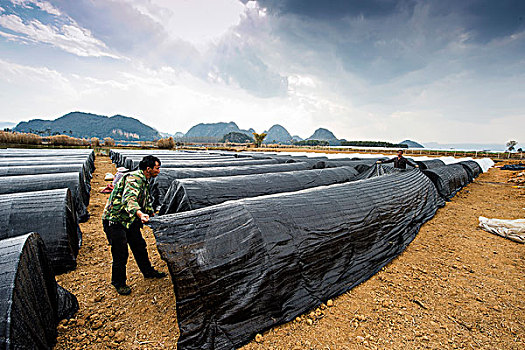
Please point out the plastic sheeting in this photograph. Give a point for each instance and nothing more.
(189, 194)
(472, 168)
(429, 164)
(51, 214)
(28, 183)
(243, 266)
(448, 179)
(31, 302)
(510, 229)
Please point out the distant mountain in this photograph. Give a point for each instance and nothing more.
(296, 138)
(87, 125)
(236, 137)
(178, 135)
(412, 144)
(278, 134)
(4, 125)
(322, 134)
(215, 130)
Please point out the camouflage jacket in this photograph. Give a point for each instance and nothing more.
(130, 194)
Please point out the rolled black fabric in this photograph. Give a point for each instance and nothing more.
(30, 303)
(472, 168)
(162, 182)
(448, 179)
(243, 266)
(189, 194)
(41, 182)
(430, 164)
(50, 213)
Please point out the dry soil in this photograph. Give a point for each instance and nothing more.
(455, 287)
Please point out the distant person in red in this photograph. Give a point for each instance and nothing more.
(400, 162)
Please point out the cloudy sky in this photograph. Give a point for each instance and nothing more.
(448, 71)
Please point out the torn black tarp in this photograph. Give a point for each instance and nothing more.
(189, 194)
(31, 302)
(243, 266)
(50, 213)
(448, 179)
(162, 182)
(41, 182)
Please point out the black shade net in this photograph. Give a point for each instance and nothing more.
(189, 194)
(48, 169)
(73, 181)
(361, 165)
(430, 164)
(133, 162)
(207, 164)
(162, 182)
(448, 179)
(50, 213)
(472, 168)
(378, 170)
(31, 302)
(56, 161)
(243, 266)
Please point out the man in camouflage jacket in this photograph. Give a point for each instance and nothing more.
(127, 209)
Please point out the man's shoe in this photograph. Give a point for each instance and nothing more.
(155, 274)
(122, 289)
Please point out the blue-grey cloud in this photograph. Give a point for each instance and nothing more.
(486, 19)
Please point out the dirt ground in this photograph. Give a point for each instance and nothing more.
(455, 287)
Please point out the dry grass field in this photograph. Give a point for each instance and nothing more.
(455, 287)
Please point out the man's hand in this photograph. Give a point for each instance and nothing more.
(417, 166)
(143, 217)
(378, 162)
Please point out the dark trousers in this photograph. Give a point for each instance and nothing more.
(119, 237)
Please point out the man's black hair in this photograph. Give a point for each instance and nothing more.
(148, 162)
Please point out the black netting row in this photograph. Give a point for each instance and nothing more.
(50, 213)
(31, 302)
(448, 179)
(243, 266)
(73, 181)
(162, 182)
(189, 194)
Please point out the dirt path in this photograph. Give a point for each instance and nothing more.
(455, 286)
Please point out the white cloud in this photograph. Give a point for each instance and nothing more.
(70, 38)
(198, 21)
